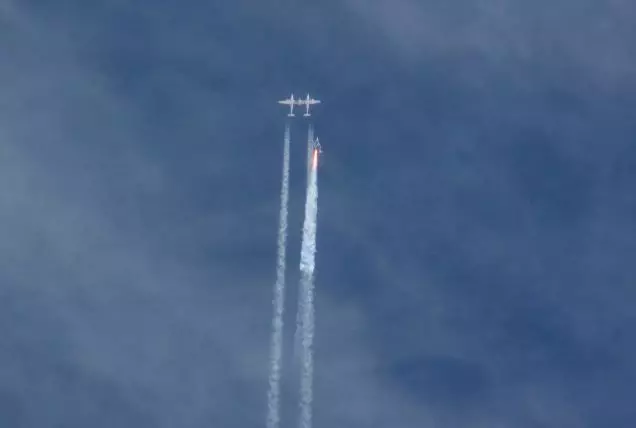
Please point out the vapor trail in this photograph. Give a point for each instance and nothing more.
(310, 147)
(276, 345)
(298, 334)
(306, 307)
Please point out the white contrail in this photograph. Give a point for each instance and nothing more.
(276, 345)
(310, 148)
(307, 266)
(298, 334)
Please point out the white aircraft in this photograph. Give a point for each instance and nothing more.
(291, 103)
(307, 102)
(317, 145)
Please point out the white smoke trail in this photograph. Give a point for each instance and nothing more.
(276, 345)
(310, 148)
(298, 334)
(307, 266)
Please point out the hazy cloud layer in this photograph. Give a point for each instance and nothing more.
(589, 37)
(474, 262)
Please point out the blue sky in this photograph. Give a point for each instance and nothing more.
(476, 216)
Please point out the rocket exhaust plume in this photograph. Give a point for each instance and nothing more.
(306, 300)
(276, 345)
(297, 335)
(310, 147)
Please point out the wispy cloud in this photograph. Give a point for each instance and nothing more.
(123, 301)
(465, 282)
(592, 39)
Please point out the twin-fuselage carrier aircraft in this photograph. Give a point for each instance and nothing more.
(291, 102)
